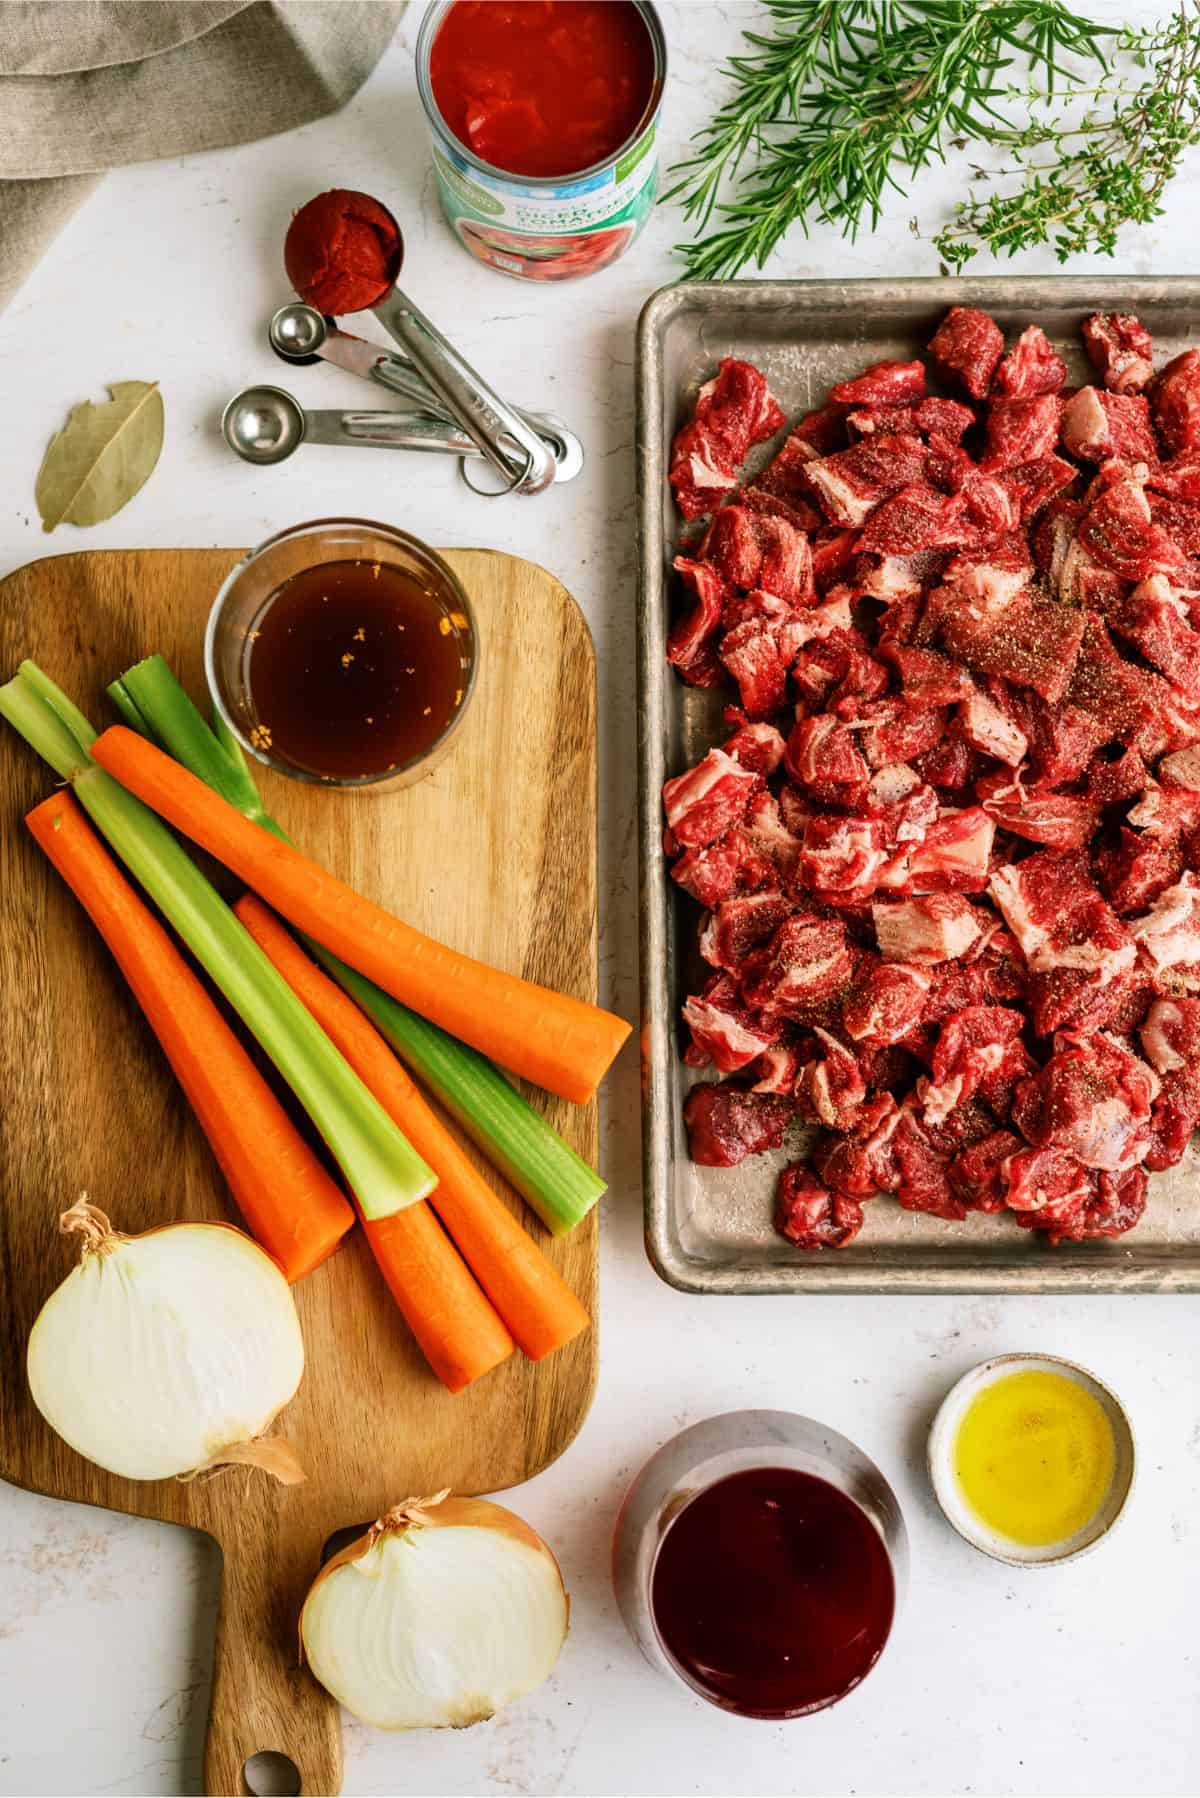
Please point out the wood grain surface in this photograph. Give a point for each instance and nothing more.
(494, 853)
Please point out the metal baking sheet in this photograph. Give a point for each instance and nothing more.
(710, 1229)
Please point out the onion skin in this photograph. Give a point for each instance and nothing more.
(439, 1512)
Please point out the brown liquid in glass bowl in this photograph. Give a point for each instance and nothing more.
(355, 668)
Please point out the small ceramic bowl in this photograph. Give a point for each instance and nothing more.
(968, 1523)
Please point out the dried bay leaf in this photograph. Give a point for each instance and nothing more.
(104, 454)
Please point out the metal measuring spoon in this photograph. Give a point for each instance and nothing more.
(266, 425)
(301, 335)
(504, 437)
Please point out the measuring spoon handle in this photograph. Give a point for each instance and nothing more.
(388, 430)
(500, 432)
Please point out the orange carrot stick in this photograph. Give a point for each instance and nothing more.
(459, 1331)
(291, 1205)
(531, 1296)
(560, 1043)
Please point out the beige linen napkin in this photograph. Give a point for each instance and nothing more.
(86, 85)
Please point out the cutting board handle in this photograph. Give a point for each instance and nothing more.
(263, 1700)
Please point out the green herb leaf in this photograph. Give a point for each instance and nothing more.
(103, 455)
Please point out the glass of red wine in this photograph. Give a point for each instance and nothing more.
(343, 652)
(760, 1559)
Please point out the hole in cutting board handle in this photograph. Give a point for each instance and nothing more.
(269, 1774)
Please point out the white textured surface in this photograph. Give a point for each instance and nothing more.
(1079, 1680)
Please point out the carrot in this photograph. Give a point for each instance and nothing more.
(560, 1043)
(459, 1331)
(531, 1296)
(292, 1206)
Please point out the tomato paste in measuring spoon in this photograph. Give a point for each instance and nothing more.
(773, 1593)
(542, 87)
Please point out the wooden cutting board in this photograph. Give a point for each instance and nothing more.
(495, 853)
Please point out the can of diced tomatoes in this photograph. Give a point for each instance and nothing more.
(544, 117)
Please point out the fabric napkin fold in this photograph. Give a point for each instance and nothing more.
(88, 85)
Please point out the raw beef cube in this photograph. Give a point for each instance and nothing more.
(758, 747)
(1116, 775)
(1030, 368)
(1097, 425)
(1032, 485)
(1155, 621)
(990, 726)
(885, 1003)
(770, 835)
(860, 1162)
(841, 857)
(1092, 1100)
(1178, 478)
(702, 470)
(725, 1123)
(1115, 694)
(853, 482)
(924, 1182)
(955, 855)
(719, 870)
(1055, 820)
(778, 1068)
(1120, 349)
(1047, 1180)
(690, 644)
(947, 419)
(757, 658)
(990, 976)
(822, 757)
(820, 432)
(1175, 403)
(1179, 519)
(952, 765)
(709, 799)
(1032, 643)
(804, 970)
(797, 509)
(916, 518)
(1021, 430)
(936, 927)
(832, 556)
(756, 549)
(928, 678)
(739, 925)
(737, 404)
(831, 1087)
(883, 384)
(979, 1175)
(988, 579)
(1170, 1036)
(1076, 948)
(891, 732)
(966, 346)
(989, 506)
(1169, 934)
(1118, 532)
(979, 1050)
(724, 1030)
(811, 1216)
(1062, 737)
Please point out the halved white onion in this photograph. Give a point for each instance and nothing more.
(167, 1353)
(447, 1609)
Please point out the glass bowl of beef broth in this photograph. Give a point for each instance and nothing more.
(759, 1560)
(343, 653)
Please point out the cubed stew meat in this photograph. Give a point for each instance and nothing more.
(949, 854)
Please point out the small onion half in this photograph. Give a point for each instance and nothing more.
(167, 1353)
(447, 1609)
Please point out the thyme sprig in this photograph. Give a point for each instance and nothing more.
(845, 101)
(1077, 185)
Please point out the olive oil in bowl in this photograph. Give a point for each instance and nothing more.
(1032, 1459)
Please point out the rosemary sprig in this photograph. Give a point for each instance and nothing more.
(1109, 169)
(846, 100)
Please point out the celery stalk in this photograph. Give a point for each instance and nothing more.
(544, 1169)
(383, 1170)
